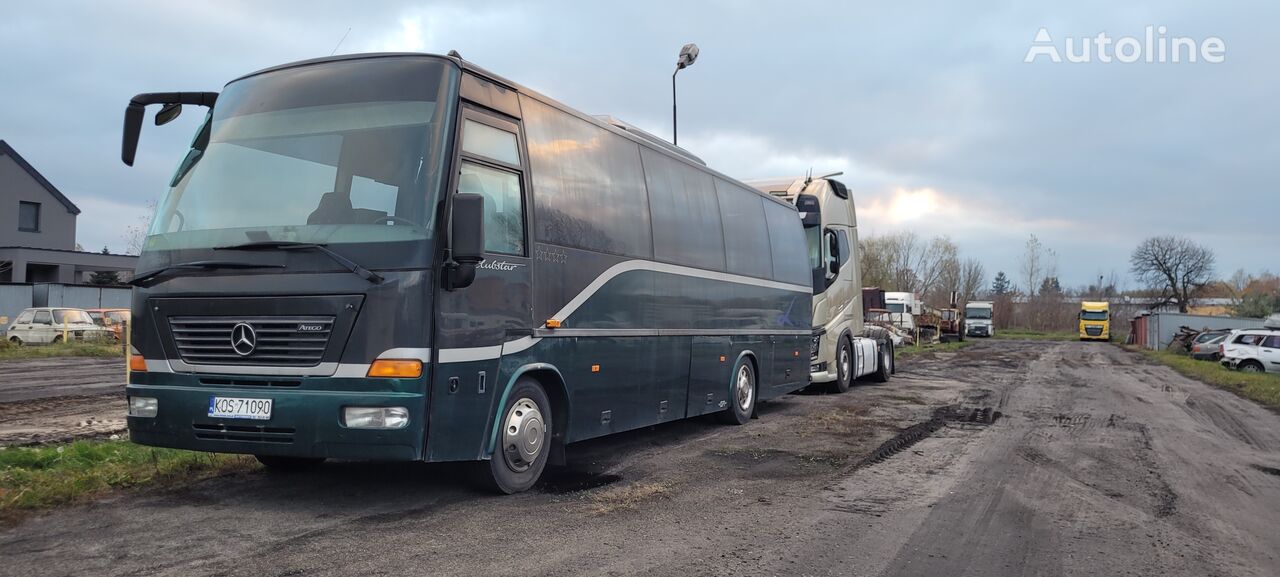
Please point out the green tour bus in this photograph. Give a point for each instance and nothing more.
(405, 257)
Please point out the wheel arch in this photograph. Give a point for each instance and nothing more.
(749, 356)
(552, 382)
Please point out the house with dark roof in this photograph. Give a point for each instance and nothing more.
(38, 229)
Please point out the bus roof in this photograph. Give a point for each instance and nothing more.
(632, 134)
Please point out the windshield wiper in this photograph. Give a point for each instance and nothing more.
(153, 277)
(349, 264)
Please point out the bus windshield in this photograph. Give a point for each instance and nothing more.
(313, 154)
(977, 313)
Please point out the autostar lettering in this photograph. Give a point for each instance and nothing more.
(499, 265)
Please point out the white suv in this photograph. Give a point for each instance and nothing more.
(1252, 350)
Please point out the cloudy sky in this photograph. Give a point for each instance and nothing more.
(929, 109)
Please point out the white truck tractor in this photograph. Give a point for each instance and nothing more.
(843, 348)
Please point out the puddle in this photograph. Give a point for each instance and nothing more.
(1268, 470)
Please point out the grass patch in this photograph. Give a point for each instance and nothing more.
(627, 497)
(1029, 335)
(907, 351)
(41, 477)
(1261, 387)
(72, 349)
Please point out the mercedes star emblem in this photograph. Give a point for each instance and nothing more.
(243, 339)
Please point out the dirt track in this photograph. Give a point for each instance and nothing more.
(1098, 464)
(60, 399)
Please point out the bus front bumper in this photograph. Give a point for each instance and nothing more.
(303, 423)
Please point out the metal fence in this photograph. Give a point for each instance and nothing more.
(1161, 327)
(14, 297)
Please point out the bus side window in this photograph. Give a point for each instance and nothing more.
(503, 206)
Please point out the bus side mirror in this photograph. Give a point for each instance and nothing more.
(466, 239)
(167, 113)
(468, 228)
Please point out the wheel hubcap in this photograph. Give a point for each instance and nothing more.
(523, 434)
(745, 391)
(844, 362)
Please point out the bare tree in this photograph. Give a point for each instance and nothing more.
(902, 262)
(1174, 267)
(933, 263)
(1032, 264)
(135, 235)
(973, 276)
(1238, 282)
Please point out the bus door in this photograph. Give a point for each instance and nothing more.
(474, 322)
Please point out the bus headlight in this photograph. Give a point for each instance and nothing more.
(143, 407)
(375, 417)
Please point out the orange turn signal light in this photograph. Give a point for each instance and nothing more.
(553, 323)
(396, 368)
(137, 364)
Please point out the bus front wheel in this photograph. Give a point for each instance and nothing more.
(524, 441)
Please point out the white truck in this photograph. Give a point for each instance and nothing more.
(977, 319)
(903, 307)
(843, 347)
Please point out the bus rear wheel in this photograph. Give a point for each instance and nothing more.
(742, 394)
(523, 443)
(278, 464)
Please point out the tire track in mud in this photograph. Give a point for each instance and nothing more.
(913, 434)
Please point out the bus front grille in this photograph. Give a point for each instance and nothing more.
(245, 433)
(266, 341)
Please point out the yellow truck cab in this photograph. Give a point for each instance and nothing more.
(1095, 321)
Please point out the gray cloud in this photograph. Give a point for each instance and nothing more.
(901, 96)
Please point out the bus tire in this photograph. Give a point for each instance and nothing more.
(884, 365)
(278, 464)
(524, 441)
(742, 393)
(844, 367)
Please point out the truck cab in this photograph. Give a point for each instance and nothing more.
(977, 319)
(843, 348)
(1095, 321)
(903, 307)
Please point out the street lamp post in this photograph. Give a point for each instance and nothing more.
(688, 54)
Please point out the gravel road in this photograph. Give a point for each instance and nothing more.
(1006, 458)
(60, 399)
